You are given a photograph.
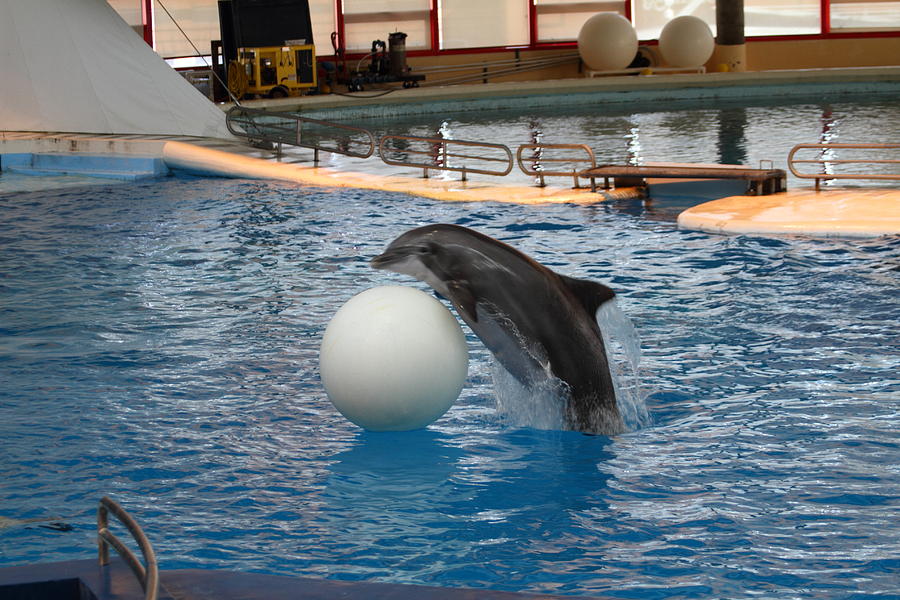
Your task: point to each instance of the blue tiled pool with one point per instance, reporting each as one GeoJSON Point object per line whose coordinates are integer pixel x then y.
{"type": "Point", "coordinates": [159, 341]}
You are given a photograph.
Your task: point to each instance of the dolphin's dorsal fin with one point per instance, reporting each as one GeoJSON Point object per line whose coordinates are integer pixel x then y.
{"type": "Point", "coordinates": [589, 293]}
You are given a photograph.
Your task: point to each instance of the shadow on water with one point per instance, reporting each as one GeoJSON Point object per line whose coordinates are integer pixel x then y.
{"type": "Point", "coordinates": [475, 476]}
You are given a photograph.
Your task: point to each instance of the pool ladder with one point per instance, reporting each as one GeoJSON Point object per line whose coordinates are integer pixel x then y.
{"type": "Point", "coordinates": [147, 574]}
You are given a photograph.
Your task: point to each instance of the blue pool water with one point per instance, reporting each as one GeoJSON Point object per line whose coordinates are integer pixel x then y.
{"type": "Point", "coordinates": [159, 341]}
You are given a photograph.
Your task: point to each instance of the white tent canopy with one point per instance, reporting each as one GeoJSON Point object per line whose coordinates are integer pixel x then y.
{"type": "Point", "coordinates": [76, 66]}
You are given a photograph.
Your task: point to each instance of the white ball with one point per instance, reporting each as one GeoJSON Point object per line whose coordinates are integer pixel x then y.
{"type": "Point", "coordinates": [607, 42]}
{"type": "Point", "coordinates": [393, 358]}
{"type": "Point", "coordinates": [686, 42]}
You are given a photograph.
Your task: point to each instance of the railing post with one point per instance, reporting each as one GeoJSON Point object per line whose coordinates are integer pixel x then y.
{"type": "Point", "coordinates": [148, 575]}
{"type": "Point", "coordinates": [102, 545]}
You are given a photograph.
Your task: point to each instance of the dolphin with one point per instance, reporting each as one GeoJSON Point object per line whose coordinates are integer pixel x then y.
{"type": "Point", "coordinates": [537, 323]}
{"type": "Point", "coordinates": [6, 523]}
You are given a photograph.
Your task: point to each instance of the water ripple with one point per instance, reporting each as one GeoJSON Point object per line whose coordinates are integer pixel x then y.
{"type": "Point", "coordinates": [159, 342]}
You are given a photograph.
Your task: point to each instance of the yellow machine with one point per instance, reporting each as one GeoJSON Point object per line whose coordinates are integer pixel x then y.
{"type": "Point", "coordinates": [275, 71]}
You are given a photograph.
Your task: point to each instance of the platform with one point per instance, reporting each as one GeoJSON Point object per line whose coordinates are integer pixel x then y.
{"type": "Point", "coordinates": [856, 212]}
{"type": "Point", "coordinates": [760, 182]}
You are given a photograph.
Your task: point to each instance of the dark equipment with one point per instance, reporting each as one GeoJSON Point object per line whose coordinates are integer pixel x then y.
{"type": "Point", "coordinates": [388, 64]}
{"type": "Point", "coordinates": [260, 35]}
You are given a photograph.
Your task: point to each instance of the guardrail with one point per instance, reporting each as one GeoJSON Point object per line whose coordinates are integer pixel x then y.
{"type": "Point", "coordinates": [148, 575]}
{"type": "Point", "coordinates": [829, 162]}
{"type": "Point", "coordinates": [441, 154]}
{"type": "Point", "coordinates": [286, 128]}
{"type": "Point", "coordinates": [583, 161]}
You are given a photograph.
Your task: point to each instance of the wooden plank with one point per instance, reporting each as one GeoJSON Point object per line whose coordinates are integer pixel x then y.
{"type": "Point", "coordinates": [681, 171]}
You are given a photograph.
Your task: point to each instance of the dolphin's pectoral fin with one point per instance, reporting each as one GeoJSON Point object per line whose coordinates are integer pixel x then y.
{"type": "Point", "coordinates": [590, 294]}
{"type": "Point", "coordinates": [464, 299]}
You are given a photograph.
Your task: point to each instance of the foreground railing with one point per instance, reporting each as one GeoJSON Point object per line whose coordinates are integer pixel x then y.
{"type": "Point", "coordinates": [828, 163]}
{"type": "Point", "coordinates": [286, 128]}
{"type": "Point", "coordinates": [148, 575]}
{"type": "Point", "coordinates": [544, 157]}
{"type": "Point", "coordinates": [441, 154]}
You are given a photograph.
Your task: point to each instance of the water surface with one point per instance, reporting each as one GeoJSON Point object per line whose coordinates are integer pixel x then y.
{"type": "Point", "coordinates": [159, 342]}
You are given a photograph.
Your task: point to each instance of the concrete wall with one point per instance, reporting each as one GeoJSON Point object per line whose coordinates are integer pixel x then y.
{"type": "Point", "coordinates": [812, 54]}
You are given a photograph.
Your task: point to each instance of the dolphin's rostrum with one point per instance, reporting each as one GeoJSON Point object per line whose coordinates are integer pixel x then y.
{"type": "Point", "coordinates": [536, 322]}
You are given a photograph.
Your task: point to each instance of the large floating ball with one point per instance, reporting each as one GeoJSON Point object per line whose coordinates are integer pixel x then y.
{"type": "Point", "coordinates": [393, 358]}
{"type": "Point", "coordinates": [607, 42]}
{"type": "Point", "coordinates": [686, 41]}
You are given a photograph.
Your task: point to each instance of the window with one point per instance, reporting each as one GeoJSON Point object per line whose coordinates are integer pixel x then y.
{"type": "Point", "coordinates": [561, 20]}
{"type": "Point", "coordinates": [650, 16]}
{"type": "Point", "coordinates": [872, 15]}
{"type": "Point", "coordinates": [198, 18]}
{"type": "Point", "coordinates": [369, 20]}
{"type": "Point", "coordinates": [782, 17]}
{"type": "Point", "coordinates": [483, 23]}
{"type": "Point", "coordinates": [321, 14]}
{"type": "Point", "coordinates": [130, 11]}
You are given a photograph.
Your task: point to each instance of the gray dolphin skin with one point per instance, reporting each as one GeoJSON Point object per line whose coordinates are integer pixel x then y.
{"type": "Point", "coordinates": [536, 322]}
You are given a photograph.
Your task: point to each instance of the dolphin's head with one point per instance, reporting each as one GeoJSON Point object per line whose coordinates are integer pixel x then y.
{"type": "Point", "coordinates": [418, 253]}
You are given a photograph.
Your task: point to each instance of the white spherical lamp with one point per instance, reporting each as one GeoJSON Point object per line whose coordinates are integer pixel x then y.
{"type": "Point", "coordinates": [393, 358]}
{"type": "Point", "coordinates": [607, 42]}
{"type": "Point", "coordinates": [686, 42]}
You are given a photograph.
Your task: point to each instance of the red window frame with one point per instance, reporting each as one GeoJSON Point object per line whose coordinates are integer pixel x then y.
{"type": "Point", "coordinates": [533, 44]}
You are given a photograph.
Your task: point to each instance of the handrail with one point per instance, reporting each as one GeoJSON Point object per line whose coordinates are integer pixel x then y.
{"type": "Point", "coordinates": [287, 128]}
{"type": "Point", "coordinates": [148, 576]}
{"type": "Point", "coordinates": [829, 161]}
{"type": "Point", "coordinates": [440, 155]}
{"type": "Point", "coordinates": [574, 173]}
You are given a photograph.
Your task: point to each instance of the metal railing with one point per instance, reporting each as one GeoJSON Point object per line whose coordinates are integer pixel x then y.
{"type": "Point", "coordinates": [147, 575]}
{"type": "Point", "coordinates": [286, 128]}
{"type": "Point", "coordinates": [545, 154]}
{"type": "Point", "coordinates": [828, 162]}
{"type": "Point", "coordinates": [441, 154]}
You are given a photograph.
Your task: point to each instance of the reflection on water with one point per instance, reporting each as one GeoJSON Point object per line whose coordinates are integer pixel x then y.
{"type": "Point", "coordinates": [726, 132]}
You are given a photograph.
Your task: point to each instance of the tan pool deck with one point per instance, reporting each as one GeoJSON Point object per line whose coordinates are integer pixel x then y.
{"type": "Point", "coordinates": [833, 212]}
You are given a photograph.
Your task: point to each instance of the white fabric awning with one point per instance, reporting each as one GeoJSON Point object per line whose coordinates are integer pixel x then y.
{"type": "Point", "coordinates": [76, 66]}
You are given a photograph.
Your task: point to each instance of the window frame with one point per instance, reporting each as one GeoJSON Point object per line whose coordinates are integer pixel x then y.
{"type": "Point", "coordinates": [826, 30]}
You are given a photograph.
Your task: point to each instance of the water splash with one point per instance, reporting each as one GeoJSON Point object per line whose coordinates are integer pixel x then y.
{"type": "Point", "coordinates": [623, 352]}
{"type": "Point", "coordinates": [541, 404]}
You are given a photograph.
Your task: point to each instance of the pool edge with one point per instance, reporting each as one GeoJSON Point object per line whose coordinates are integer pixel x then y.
{"type": "Point", "coordinates": [116, 582]}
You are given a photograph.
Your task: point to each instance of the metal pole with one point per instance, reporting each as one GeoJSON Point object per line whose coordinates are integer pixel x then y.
{"type": "Point", "coordinates": [730, 41]}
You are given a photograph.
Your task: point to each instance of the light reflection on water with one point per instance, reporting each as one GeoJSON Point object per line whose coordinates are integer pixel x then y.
{"type": "Point", "coordinates": [727, 132]}
{"type": "Point", "coordinates": [159, 343]}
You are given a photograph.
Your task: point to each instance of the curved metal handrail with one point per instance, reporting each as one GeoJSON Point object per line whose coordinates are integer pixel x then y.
{"type": "Point", "coordinates": [147, 575]}
{"type": "Point", "coordinates": [440, 154]}
{"type": "Point", "coordinates": [287, 128]}
{"type": "Point", "coordinates": [833, 161]}
{"type": "Point", "coordinates": [589, 159]}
